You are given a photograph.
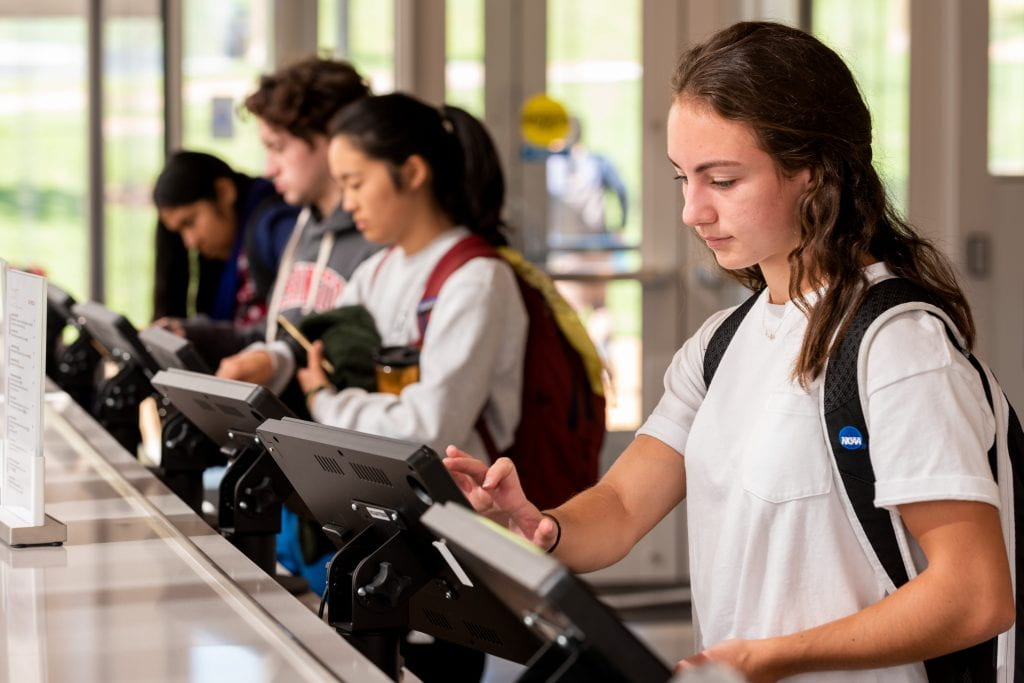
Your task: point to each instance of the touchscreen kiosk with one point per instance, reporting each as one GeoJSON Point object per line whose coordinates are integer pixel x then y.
{"type": "Point", "coordinates": [71, 360]}
{"type": "Point", "coordinates": [58, 314]}
{"type": "Point", "coordinates": [138, 357]}
{"type": "Point", "coordinates": [169, 350]}
{"type": "Point", "coordinates": [226, 410]}
{"type": "Point", "coordinates": [585, 640]}
{"type": "Point", "coordinates": [252, 489]}
{"type": "Point", "coordinates": [118, 397]}
{"type": "Point", "coordinates": [153, 348]}
{"type": "Point", "coordinates": [116, 335]}
{"type": "Point", "coordinates": [368, 493]}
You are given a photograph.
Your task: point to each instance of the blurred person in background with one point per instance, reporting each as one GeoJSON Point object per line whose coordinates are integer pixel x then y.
{"type": "Point", "coordinates": [293, 107]}
{"type": "Point", "coordinates": [239, 226]}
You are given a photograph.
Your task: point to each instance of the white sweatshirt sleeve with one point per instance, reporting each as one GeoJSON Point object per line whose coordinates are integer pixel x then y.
{"type": "Point", "coordinates": [472, 353]}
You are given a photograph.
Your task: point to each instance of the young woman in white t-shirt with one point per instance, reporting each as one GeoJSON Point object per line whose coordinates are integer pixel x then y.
{"type": "Point", "coordinates": [771, 143]}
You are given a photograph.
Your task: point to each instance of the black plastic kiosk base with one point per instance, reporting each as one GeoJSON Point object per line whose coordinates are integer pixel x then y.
{"type": "Point", "coordinates": [371, 581]}
{"type": "Point", "coordinates": [139, 356]}
{"type": "Point", "coordinates": [70, 363]}
{"type": "Point", "coordinates": [252, 489]}
{"type": "Point", "coordinates": [116, 406]}
{"type": "Point", "coordinates": [249, 514]}
{"type": "Point", "coordinates": [72, 367]}
{"type": "Point", "coordinates": [184, 455]}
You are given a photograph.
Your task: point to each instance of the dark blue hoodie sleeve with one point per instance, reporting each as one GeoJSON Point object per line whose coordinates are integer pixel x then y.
{"type": "Point", "coordinates": [267, 235]}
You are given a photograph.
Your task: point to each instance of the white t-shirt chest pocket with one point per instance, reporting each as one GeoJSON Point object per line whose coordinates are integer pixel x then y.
{"type": "Point", "coordinates": [786, 457]}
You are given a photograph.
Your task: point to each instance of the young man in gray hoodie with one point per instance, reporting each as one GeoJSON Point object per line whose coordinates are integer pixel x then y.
{"type": "Point", "coordinates": [293, 107]}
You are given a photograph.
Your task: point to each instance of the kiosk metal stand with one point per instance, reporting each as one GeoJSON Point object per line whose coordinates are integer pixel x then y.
{"type": "Point", "coordinates": [71, 366]}
{"type": "Point", "coordinates": [252, 489]}
{"type": "Point", "coordinates": [185, 453]}
{"type": "Point", "coordinates": [249, 514]}
{"type": "Point", "coordinates": [389, 575]}
{"type": "Point", "coordinates": [117, 402]}
{"type": "Point", "coordinates": [370, 583]}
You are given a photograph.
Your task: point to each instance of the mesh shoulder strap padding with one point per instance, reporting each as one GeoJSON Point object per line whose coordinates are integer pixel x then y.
{"type": "Point", "coordinates": [847, 427]}
{"type": "Point", "coordinates": [723, 335]}
{"type": "Point", "coordinates": [850, 444]}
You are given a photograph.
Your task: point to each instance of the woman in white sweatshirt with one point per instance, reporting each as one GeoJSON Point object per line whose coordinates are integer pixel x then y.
{"type": "Point", "coordinates": [422, 180]}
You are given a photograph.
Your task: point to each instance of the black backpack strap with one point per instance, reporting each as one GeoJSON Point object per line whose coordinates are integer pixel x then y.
{"type": "Point", "coordinates": [723, 335]}
{"type": "Point", "coordinates": [850, 443]}
{"type": "Point", "coordinates": [993, 461]}
{"type": "Point", "coordinates": [847, 427]}
{"type": "Point", "coordinates": [1015, 446]}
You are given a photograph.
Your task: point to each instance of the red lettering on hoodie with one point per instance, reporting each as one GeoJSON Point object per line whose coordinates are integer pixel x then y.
{"type": "Point", "coordinates": [296, 289]}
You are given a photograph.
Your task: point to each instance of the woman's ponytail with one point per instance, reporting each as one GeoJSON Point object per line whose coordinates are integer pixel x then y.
{"type": "Point", "coordinates": [483, 180]}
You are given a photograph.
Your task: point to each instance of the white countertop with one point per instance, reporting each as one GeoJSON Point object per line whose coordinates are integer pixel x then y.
{"type": "Point", "coordinates": [145, 590]}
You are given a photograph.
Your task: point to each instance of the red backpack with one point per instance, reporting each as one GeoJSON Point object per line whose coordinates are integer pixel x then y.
{"type": "Point", "coordinates": [557, 444]}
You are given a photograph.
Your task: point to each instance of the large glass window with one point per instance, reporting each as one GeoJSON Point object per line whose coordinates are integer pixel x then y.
{"type": "Point", "coordinates": [873, 38]}
{"type": "Point", "coordinates": [43, 145]}
{"type": "Point", "coordinates": [594, 69]}
{"type": "Point", "coordinates": [133, 136]}
{"type": "Point", "coordinates": [1006, 87]}
{"type": "Point", "coordinates": [363, 32]}
{"type": "Point", "coordinates": [464, 65]}
{"type": "Point", "coordinates": [225, 49]}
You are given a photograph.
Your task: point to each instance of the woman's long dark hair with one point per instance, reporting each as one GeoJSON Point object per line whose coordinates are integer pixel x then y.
{"type": "Point", "coordinates": [189, 177]}
{"type": "Point", "coordinates": [804, 108]}
{"type": "Point", "coordinates": [466, 177]}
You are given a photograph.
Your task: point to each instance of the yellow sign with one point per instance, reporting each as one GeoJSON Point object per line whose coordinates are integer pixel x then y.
{"type": "Point", "coordinates": [544, 121]}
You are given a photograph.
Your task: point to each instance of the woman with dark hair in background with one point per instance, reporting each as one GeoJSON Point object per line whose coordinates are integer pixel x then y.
{"type": "Point", "coordinates": [239, 226]}
{"type": "Point", "coordinates": [771, 143]}
{"type": "Point", "coordinates": [424, 180]}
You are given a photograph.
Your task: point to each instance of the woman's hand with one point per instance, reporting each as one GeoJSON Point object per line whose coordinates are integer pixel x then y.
{"type": "Point", "coordinates": [172, 325]}
{"type": "Point", "coordinates": [741, 656]}
{"type": "Point", "coordinates": [248, 366]}
{"type": "Point", "coordinates": [313, 376]}
{"type": "Point", "coordinates": [495, 492]}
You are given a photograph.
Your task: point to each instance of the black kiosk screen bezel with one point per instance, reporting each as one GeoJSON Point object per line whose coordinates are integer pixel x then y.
{"type": "Point", "coordinates": [561, 608]}
{"type": "Point", "coordinates": [115, 334]}
{"type": "Point", "coordinates": [225, 410]}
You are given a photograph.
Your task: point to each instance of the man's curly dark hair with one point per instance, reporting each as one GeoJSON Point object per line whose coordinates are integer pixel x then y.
{"type": "Point", "coordinates": [302, 97]}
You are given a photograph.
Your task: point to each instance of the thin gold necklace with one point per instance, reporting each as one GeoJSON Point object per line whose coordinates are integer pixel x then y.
{"type": "Point", "coordinates": [770, 332]}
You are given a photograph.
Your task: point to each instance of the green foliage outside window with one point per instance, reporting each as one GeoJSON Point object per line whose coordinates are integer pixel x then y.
{"type": "Point", "coordinates": [1006, 87]}
{"type": "Point", "coordinates": [873, 38]}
